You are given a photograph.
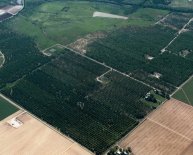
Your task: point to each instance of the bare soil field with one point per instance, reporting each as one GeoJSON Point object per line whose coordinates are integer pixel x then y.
{"type": "Point", "coordinates": [189, 150]}
{"type": "Point", "coordinates": [167, 130]}
{"type": "Point", "coordinates": [33, 137]}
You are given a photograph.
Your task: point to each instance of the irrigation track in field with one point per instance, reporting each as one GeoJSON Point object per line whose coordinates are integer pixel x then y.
{"type": "Point", "coordinates": [178, 34]}
{"type": "Point", "coordinates": [98, 78]}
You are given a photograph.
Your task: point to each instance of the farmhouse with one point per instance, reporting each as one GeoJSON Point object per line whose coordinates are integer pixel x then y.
{"type": "Point", "coordinates": [167, 130]}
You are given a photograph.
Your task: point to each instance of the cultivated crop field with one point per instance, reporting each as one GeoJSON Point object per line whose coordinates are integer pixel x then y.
{"type": "Point", "coordinates": [98, 97]}
{"type": "Point", "coordinates": [183, 45]}
{"type": "Point", "coordinates": [94, 113]}
{"type": "Point", "coordinates": [182, 3]}
{"type": "Point", "coordinates": [176, 21]}
{"type": "Point", "coordinates": [6, 109]}
{"type": "Point", "coordinates": [142, 52]}
{"type": "Point", "coordinates": [163, 132]}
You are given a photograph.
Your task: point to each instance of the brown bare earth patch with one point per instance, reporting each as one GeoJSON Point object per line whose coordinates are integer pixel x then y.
{"type": "Point", "coordinates": [168, 130]}
{"type": "Point", "coordinates": [35, 138]}
{"type": "Point", "coordinates": [81, 44]}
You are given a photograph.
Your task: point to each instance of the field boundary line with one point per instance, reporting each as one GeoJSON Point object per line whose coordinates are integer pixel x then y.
{"type": "Point", "coordinates": [186, 96]}
{"type": "Point", "coordinates": [43, 122]}
{"type": "Point", "coordinates": [113, 69]}
{"type": "Point", "coordinates": [69, 147]}
{"type": "Point", "coordinates": [177, 35]}
{"type": "Point", "coordinates": [171, 130]}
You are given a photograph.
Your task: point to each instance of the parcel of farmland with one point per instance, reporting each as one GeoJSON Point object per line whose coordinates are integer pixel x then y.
{"type": "Point", "coordinates": [66, 94]}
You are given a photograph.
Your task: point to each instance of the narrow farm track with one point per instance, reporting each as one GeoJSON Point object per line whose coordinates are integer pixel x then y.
{"type": "Point", "coordinates": [186, 96]}
{"type": "Point", "coordinates": [178, 34]}
{"type": "Point", "coordinates": [98, 78]}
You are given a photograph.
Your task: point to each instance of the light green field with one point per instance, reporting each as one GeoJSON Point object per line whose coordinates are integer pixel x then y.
{"type": "Point", "coordinates": [186, 93]}
{"type": "Point", "coordinates": [6, 109]}
{"type": "Point", "coordinates": [182, 3]}
{"type": "Point", "coordinates": [64, 22]}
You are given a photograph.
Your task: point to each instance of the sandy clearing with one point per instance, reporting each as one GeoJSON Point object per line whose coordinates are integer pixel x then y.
{"type": "Point", "coordinates": [33, 137]}
{"type": "Point", "coordinates": [108, 15]}
{"type": "Point", "coordinates": [168, 130]}
{"type": "Point", "coordinates": [81, 44]}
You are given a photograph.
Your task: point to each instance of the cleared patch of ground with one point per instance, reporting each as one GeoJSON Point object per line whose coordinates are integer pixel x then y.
{"type": "Point", "coordinates": [81, 44]}
{"type": "Point", "coordinates": [167, 130]}
{"type": "Point", "coordinates": [108, 15]}
{"type": "Point", "coordinates": [33, 137]}
{"type": "Point", "coordinates": [9, 11]}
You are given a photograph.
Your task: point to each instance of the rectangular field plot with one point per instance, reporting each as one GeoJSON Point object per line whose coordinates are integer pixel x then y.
{"type": "Point", "coordinates": [136, 51]}
{"type": "Point", "coordinates": [168, 130]}
{"type": "Point", "coordinates": [185, 93]}
{"type": "Point", "coordinates": [182, 4]}
{"type": "Point", "coordinates": [6, 109]}
{"type": "Point", "coordinates": [176, 21]}
{"type": "Point", "coordinates": [66, 94]}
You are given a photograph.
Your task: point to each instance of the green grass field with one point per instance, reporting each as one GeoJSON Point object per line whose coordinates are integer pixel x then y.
{"type": "Point", "coordinates": [64, 22]}
{"type": "Point", "coordinates": [6, 109]}
{"type": "Point", "coordinates": [185, 93]}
